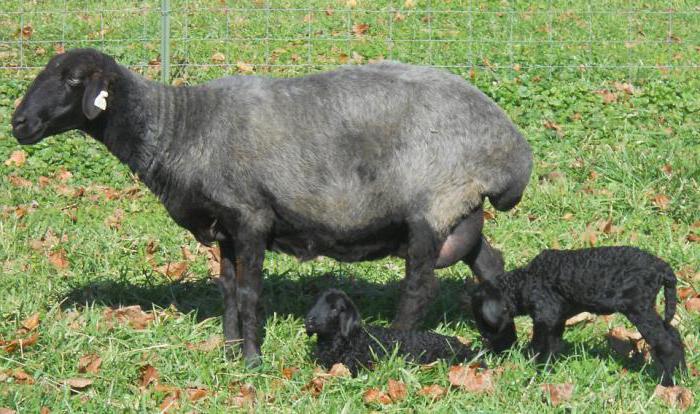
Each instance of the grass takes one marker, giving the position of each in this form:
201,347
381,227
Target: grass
595,161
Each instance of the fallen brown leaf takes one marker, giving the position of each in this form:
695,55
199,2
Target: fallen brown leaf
360,28
63,175
21,377
19,181
579,318
58,259
208,345
194,394
244,67
686,292
661,201
246,396
625,87
339,370
89,363
31,322
434,391
78,384
608,96
397,390
20,343
218,57
624,341
115,220
133,315
557,393
187,254
693,305
667,169
315,386
148,375
373,395
174,271
589,236
677,396
288,372
17,158
171,402
471,378
693,237
554,127
4,410
44,410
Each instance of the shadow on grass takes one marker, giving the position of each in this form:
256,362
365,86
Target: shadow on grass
281,295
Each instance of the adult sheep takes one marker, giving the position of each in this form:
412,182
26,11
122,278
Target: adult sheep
355,164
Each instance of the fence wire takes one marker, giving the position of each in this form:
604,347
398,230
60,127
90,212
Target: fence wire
209,38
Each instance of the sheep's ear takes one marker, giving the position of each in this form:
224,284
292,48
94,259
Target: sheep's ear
348,321
94,97
492,312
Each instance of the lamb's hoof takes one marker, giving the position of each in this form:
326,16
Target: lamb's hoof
252,358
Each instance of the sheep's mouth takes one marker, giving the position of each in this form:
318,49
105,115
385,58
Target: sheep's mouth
25,137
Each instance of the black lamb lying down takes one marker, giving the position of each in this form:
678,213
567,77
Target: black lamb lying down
342,337
558,284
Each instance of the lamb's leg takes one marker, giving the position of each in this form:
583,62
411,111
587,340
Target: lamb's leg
227,285
663,346
250,254
548,328
541,334
420,285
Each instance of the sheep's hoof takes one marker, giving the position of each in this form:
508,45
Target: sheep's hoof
253,361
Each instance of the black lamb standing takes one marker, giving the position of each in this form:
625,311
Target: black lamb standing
342,337
558,284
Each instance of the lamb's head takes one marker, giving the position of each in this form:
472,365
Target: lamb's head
333,313
69,92
493,316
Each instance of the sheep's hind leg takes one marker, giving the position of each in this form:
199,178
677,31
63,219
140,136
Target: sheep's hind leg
420,284
663,345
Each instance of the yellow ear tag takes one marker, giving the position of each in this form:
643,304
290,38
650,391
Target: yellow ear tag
100,100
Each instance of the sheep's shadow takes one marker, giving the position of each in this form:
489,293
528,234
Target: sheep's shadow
603,350
282,295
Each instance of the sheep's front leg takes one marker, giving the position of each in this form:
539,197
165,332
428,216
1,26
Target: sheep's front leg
420,284
227,285
250,254
485,261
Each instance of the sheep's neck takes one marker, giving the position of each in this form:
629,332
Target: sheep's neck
150,118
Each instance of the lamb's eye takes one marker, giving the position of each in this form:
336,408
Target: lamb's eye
73,81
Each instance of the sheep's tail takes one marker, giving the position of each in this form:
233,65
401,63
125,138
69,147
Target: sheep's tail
669,283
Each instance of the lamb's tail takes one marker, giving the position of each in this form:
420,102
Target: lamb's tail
669,283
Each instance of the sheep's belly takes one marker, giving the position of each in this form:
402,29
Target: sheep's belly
387,241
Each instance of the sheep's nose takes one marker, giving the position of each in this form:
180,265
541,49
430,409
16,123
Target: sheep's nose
19,120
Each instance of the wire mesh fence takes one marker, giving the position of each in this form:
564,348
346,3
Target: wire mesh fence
207,38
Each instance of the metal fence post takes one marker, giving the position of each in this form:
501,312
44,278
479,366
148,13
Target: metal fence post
165,42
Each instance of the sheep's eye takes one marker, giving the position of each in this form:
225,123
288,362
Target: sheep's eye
73,81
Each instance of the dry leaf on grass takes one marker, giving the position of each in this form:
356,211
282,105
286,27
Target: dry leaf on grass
246,396
17,181
4,410
20,376
677,397
30,323
288,372
434,391
44,410
20,343
627,343
149,375
339,370
687,293
580,318
174,271
360,28
315,386
661,201
78,384
17,158
693,305
89,363
397,390
133,315
373,395
58,259
195,394
471,378
208,345
218,58
557,393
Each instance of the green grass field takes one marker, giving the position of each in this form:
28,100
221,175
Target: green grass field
609,101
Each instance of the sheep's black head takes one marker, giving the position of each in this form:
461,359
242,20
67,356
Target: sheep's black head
333,313
493,317
68,93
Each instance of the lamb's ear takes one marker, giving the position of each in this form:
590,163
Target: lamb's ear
492,312
348,318
94,97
